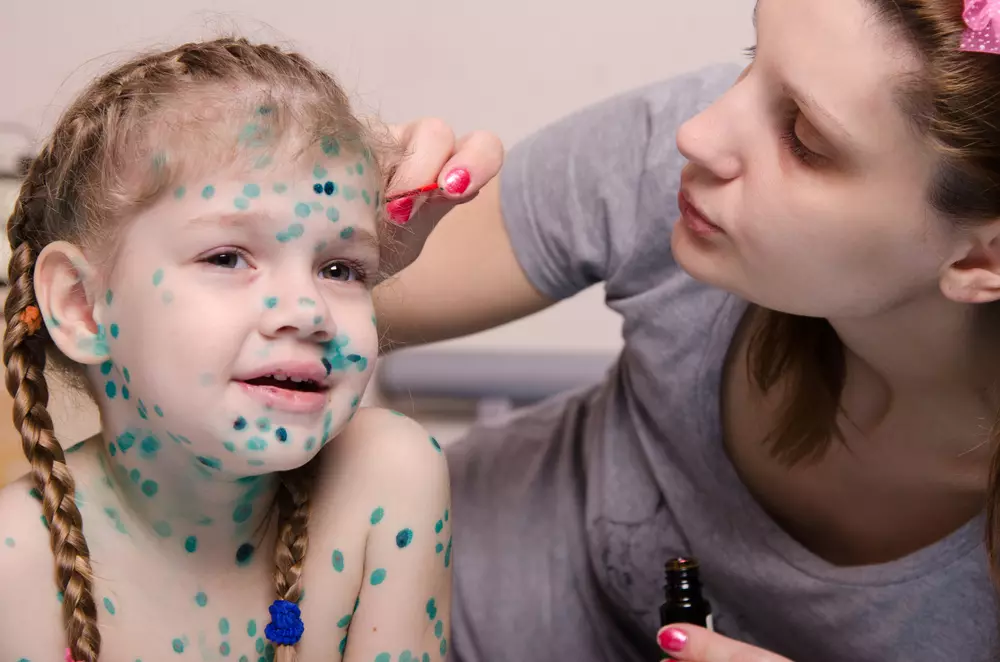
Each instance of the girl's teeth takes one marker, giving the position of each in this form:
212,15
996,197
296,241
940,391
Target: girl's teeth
297,381
280,378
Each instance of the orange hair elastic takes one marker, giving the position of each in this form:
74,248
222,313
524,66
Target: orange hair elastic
32,317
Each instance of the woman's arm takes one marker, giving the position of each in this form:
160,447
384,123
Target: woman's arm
404,602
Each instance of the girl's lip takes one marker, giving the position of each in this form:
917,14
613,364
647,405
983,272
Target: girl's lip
286,399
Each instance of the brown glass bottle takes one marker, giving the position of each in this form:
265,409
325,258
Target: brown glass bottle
683,600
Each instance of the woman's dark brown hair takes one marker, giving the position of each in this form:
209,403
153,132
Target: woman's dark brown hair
953,101
97,168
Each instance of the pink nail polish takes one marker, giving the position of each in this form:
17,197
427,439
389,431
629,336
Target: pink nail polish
457,181
672,640
400,210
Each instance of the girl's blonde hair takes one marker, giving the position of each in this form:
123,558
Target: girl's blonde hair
101,164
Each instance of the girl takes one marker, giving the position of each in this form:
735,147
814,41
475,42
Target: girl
808,384
196,243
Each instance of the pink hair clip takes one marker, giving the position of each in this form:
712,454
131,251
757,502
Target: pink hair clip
69,656
982,20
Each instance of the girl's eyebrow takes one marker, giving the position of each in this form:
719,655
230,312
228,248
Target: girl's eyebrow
249,219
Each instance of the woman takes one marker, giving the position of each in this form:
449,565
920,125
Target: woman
805,395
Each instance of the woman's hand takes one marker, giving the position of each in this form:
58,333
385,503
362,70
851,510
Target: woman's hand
432,154
695,644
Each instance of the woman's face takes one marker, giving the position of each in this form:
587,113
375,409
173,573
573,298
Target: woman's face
814,176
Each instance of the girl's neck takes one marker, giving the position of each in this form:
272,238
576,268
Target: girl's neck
158,494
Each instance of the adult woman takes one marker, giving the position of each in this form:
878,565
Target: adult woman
810,416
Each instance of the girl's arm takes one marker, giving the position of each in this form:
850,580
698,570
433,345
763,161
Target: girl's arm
405,596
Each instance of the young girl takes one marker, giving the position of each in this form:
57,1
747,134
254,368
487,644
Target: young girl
196,243
807,396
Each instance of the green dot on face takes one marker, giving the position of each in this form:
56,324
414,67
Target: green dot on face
242,513
404,538
251,190
280,188
110,389
208,192
229,446
135,476
319,172
106,367
191,545
346,233
157,277
241,203
150,488
114,330
125,373
201,599
110,606
9,542
377,515
302,210
163,529
338,560
332,214
224,649
159,412
318,319
378,577
223,626
270,302
178,646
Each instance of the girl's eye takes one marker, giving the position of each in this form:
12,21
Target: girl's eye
340,271
228,260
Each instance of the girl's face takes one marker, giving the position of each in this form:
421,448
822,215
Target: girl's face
238,318
815,177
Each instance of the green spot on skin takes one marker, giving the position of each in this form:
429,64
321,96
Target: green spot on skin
270,302
383,657
179,192
9,542
438,526
310,443
330,146
110,390
302,210
318,320
306,301
242,513
316,206
178,646
229,446
367,198
208,192
125,373
294,231
377,515
223,626
256,444
150,488
167,297
332,214
108,297
241,203
59,597
262,162
319,172
149,447
259,645
110,606
157,277
447,554
344,622
320,247
252,628
201,599
444,647
263,424
211,462
251,190
439,548
191,546
435,444
280,188
135,476
346,233
163,529
404,538
431,609
338,560
438,629
125,393
125,441
349,193
159,412
224,649
114,330
378,576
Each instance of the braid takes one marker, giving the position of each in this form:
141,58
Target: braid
293,541
24,357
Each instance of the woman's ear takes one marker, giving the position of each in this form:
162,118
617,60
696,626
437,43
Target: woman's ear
973,275
64,289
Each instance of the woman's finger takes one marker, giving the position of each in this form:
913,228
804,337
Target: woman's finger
477,159
694,644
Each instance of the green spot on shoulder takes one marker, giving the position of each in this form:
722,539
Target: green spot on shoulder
330,146
377,515
378,576
157,277
404,538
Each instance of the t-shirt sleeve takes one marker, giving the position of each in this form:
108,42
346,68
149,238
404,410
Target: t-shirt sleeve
576,194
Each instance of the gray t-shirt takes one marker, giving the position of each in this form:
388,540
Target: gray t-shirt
565,514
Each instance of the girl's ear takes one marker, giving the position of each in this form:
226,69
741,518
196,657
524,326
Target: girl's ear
64,282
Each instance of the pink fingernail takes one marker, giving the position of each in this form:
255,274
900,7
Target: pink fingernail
457,181
672,640
400,210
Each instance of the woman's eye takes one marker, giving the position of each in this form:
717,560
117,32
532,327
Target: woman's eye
340,271
228,260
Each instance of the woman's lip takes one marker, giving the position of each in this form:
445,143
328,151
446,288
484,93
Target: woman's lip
284,399
694,218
